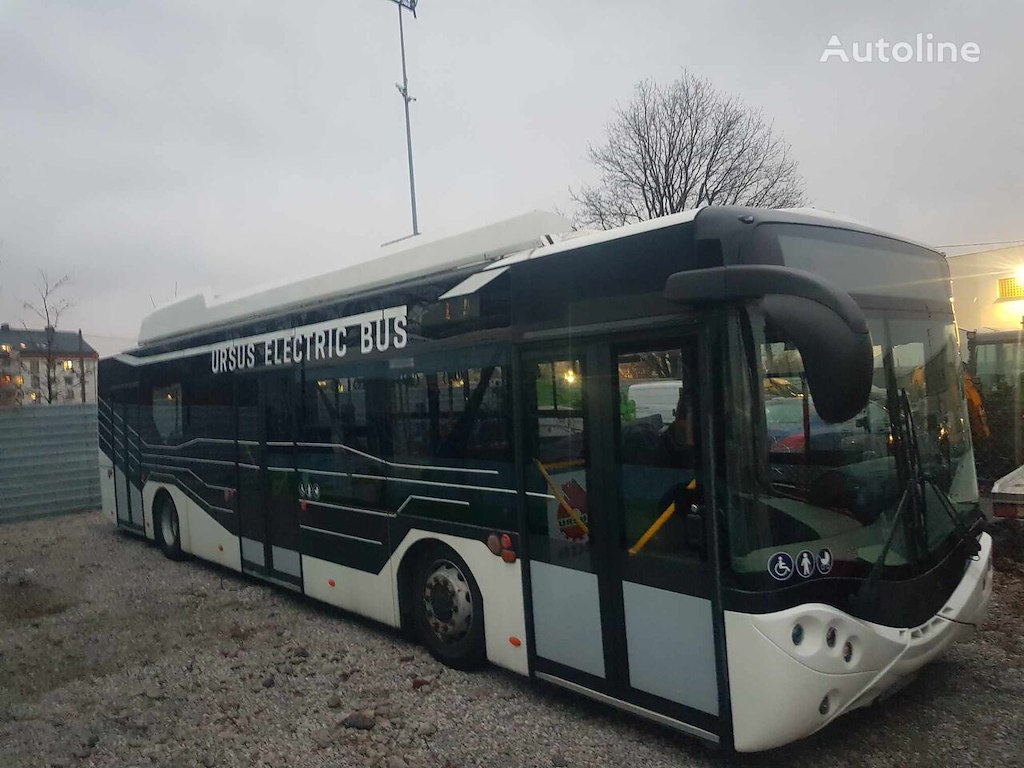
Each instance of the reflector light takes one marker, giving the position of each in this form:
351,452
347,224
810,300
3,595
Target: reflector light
330,582
494,544
515,641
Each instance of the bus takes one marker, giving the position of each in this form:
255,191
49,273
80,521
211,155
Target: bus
467,439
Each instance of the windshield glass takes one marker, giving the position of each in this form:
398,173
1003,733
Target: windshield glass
836,491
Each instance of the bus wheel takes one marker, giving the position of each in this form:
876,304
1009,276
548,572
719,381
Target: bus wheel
448,611
168,532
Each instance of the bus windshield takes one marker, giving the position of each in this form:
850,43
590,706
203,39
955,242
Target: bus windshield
813,486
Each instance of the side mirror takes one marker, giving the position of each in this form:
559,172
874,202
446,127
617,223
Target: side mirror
824,322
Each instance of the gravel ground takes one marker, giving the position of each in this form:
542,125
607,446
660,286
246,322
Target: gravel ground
111,655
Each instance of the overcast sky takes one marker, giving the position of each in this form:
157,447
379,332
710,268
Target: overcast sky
150,147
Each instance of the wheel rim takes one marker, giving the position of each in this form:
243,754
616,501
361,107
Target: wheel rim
447,602
169,525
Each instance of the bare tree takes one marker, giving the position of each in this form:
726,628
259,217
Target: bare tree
682,146
49,307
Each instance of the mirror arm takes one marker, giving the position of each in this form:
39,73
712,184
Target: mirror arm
744,282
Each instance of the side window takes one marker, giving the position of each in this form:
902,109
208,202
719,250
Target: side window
340,432
658,447
167,407
453,414
334,411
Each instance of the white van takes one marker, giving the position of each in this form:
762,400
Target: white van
656,397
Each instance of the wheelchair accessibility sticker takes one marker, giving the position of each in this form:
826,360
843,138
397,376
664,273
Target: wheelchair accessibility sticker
780,566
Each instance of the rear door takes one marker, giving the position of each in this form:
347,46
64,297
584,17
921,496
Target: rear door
126,448
280,481
268,501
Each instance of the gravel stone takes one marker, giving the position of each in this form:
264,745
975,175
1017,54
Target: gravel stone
364,721
163,663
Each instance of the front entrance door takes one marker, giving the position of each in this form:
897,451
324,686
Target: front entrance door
614,482
268,499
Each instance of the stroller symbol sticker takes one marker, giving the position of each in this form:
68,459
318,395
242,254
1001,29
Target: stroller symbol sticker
780,566
824,561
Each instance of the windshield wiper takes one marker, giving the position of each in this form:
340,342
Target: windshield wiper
963,532
908,459
868,591
914,497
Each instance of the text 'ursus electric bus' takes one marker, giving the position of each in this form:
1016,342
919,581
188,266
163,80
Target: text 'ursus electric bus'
713,469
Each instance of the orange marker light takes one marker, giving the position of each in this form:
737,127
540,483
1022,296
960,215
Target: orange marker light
330,582
515,641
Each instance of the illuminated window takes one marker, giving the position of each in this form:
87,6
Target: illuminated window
1011,288
68,365
34,397
5,347
167,411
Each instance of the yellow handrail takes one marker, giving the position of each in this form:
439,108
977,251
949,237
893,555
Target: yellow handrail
561,498
656,525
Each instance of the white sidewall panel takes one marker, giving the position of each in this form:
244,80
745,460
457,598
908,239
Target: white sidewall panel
368,594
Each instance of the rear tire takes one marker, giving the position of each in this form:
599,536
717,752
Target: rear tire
167,527
447,609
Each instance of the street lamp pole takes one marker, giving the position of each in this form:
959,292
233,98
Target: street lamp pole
403,89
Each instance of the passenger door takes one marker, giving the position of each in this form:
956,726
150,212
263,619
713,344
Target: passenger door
268,501
614,483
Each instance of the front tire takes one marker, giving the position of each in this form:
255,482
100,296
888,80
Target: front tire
168,529
448,610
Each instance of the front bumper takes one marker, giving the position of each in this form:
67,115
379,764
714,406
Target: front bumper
782,691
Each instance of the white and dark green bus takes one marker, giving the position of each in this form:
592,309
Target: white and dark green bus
712,469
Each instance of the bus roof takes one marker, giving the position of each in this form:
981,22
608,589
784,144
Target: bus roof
406,260
499,245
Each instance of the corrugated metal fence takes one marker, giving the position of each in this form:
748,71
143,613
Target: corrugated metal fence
48,460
